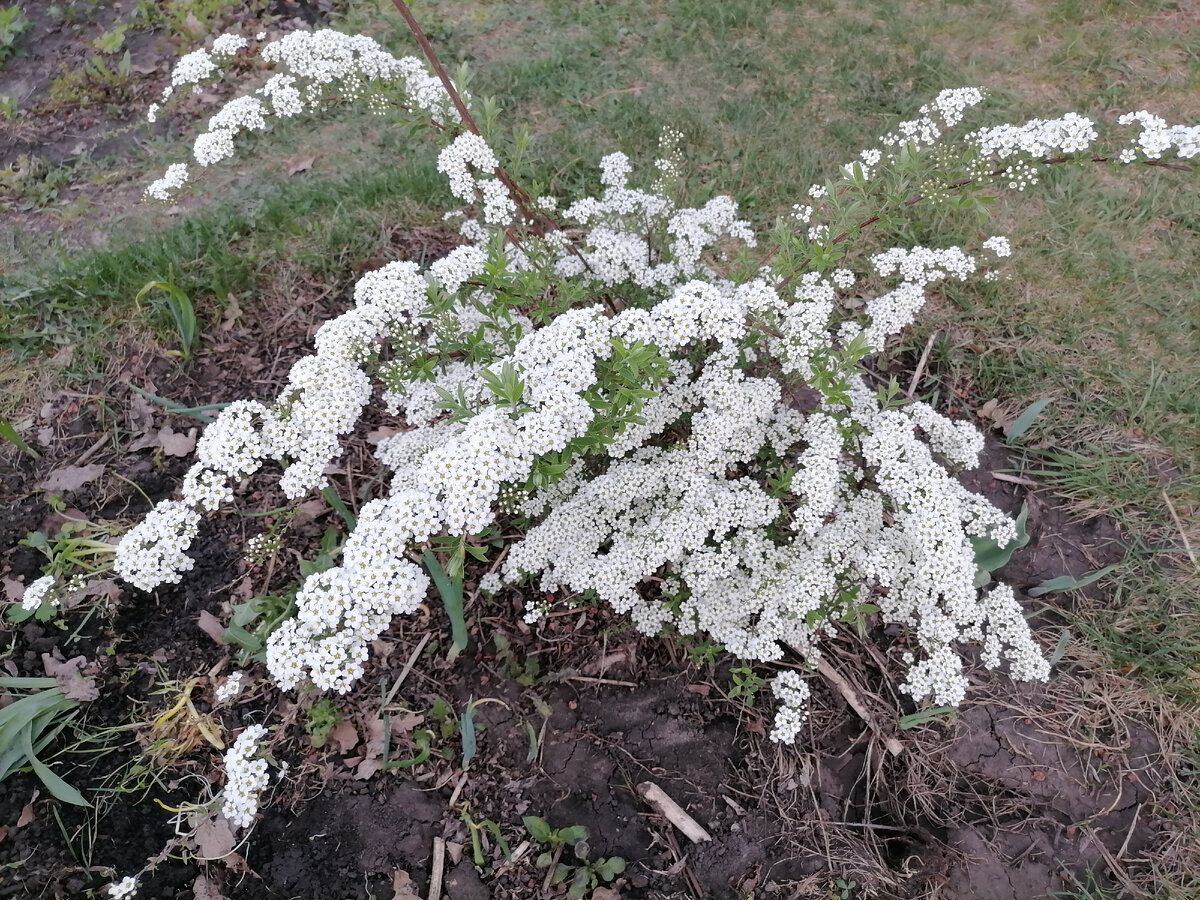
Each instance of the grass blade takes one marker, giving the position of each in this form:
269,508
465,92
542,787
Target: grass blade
467,731
1068,582
1025,420
9,433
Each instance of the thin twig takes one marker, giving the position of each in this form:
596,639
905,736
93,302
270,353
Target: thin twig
1187,545
920,370
672,812
844,688
587,679
437,865
408,667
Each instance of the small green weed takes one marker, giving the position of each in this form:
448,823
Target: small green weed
37,712
582,875
179,305
323,716
13,22
746,683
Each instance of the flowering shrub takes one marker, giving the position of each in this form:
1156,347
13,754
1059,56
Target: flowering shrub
677,409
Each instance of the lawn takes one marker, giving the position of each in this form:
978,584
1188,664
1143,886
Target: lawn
1084,786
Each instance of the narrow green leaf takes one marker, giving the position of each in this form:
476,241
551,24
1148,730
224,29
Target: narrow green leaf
53,783
9,432
467,733
531,733
1022,423
450,591
334,500
1068,583
920,718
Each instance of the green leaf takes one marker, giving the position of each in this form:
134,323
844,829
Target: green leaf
1022,423
990,556
450,591
53,783
926,715
608,869
467,733
573,834
1068,583
9,433
538,828
334,500
179,304
531,733
579,884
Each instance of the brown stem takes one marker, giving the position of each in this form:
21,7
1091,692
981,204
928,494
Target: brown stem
520,196
518,193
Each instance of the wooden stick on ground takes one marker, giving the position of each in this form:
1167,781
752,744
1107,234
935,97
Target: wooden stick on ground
437,867
672,812
851,696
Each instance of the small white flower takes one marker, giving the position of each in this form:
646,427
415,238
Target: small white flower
39,592
230,689
126,887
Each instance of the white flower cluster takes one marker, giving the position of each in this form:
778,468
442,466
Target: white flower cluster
945,111
792,693
1157,137
126,887
230,688
314,64
151,553
39,592
470,151
173,179
245,777
1071,133
640,238
684,488
998,245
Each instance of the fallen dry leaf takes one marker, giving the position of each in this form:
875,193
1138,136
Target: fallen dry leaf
233,312
403,887
176,444
70,678
214,836
996,414
172,443
71,478
193,27
367,769
13,590
386,431
204,888
27,811
294,165
605,893
342,737
211,626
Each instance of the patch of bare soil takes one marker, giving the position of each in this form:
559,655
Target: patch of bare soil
1022,789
